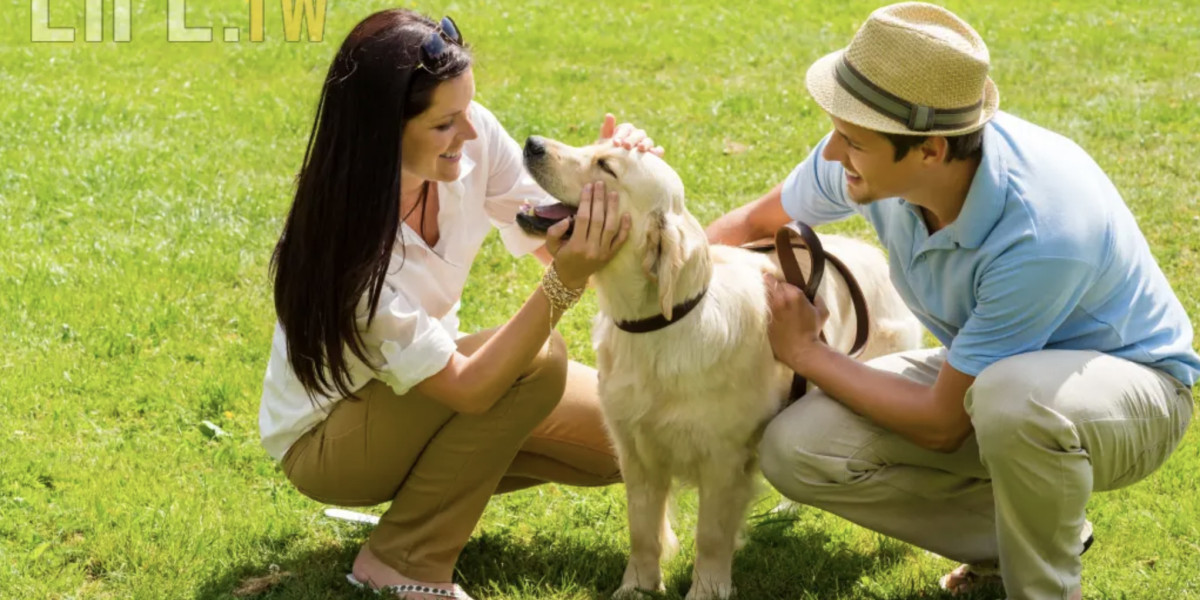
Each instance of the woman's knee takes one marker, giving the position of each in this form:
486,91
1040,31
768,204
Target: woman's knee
550,361
545,379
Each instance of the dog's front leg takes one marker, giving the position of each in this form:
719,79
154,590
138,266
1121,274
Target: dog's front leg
726,488
646,494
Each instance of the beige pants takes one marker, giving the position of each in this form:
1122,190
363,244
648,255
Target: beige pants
1051,427
438,467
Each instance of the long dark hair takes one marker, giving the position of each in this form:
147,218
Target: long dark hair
345,217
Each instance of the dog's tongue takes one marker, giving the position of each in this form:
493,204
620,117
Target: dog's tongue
554,212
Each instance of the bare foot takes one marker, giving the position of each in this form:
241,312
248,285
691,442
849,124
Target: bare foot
372,572
967,578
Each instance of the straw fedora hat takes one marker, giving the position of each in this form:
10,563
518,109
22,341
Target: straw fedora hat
912,68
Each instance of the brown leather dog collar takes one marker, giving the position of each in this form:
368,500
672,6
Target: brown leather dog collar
658,322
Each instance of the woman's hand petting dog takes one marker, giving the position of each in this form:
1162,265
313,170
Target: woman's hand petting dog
627,136
796,323
600,230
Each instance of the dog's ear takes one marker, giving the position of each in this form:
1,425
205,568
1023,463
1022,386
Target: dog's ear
665,256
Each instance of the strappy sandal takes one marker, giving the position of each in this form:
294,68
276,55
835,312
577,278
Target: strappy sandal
454,592
974,577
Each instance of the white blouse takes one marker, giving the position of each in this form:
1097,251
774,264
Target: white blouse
416,322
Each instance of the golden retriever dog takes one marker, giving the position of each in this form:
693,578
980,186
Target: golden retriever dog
689,401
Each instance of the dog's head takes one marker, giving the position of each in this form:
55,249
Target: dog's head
644,181
649,189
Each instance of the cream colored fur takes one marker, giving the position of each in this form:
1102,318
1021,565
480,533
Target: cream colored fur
689,402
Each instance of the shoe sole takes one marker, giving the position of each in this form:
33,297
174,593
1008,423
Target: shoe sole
400,590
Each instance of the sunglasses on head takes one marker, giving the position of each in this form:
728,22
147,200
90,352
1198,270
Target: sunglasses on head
433,48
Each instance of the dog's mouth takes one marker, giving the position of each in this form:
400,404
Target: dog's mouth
536,220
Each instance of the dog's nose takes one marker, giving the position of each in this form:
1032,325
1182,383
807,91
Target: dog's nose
535,147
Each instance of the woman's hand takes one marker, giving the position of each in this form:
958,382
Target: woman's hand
795,323
600,230
627,136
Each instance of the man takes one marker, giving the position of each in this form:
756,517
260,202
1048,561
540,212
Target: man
1067,364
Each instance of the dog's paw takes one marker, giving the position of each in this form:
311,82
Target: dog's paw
632,592
639,579
722,591
637,582
627,593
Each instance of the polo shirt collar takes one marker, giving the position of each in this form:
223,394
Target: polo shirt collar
984,204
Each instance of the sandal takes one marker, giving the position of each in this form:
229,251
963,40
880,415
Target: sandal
973,577
454,592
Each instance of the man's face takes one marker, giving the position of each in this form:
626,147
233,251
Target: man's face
872,173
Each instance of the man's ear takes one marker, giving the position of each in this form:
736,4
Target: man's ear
934,150
665,255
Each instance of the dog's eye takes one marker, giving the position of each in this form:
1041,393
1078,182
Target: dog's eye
603,164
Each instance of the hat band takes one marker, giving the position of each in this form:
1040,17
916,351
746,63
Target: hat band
916,116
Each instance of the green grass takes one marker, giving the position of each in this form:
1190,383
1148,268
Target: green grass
142,186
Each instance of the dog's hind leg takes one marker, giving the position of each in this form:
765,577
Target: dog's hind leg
726,488
646,492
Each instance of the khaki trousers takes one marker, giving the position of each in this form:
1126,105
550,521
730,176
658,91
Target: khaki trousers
438,468
1050,427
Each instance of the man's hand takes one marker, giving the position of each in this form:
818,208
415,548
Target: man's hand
795,325
627,136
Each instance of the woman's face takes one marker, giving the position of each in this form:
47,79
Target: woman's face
431,149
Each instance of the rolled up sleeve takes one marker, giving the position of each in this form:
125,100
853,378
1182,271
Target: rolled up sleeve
509,186
412,344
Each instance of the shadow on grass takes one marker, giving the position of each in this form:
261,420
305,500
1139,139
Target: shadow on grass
281,573
778,562
492,564
782,561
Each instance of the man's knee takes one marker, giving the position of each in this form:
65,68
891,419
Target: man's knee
1008,406
803,451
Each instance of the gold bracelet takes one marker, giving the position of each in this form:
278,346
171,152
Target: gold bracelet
560,296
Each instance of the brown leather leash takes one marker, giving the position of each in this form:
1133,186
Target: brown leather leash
784,239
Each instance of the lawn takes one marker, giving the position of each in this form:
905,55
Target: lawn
142,187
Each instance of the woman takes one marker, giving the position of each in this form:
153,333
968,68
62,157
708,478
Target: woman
370,396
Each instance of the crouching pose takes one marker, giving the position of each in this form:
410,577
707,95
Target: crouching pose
1067,360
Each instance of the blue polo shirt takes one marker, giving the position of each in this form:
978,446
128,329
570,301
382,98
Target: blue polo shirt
1044,255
